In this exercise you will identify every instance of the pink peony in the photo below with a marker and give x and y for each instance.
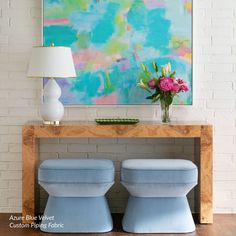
(175, 86)
(166, 84)
(151, 84)
(183, 86)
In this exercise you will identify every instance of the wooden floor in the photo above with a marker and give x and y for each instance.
(224, 225)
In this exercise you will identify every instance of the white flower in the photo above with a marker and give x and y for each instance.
(166, 69)
(142, 85)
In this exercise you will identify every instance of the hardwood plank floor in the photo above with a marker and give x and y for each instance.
(224, 225)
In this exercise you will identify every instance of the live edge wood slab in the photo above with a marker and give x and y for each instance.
(32, 132)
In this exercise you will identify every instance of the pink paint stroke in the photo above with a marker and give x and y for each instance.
(93, 59)
(124, 65)
(63, 21)
(136, 55)
(151, 4)
(183, 50)
(102, 85)
(109, 99)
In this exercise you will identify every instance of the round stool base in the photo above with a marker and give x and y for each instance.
(76, 215)
(158, 215)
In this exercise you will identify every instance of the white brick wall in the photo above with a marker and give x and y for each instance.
(214, 102)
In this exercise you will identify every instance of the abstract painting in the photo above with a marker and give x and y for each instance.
(111, 38)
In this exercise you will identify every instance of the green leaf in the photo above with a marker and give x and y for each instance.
(155, 67)
(144, 67)
(143, 86)
(152, 96)
(147, 89)
(156, 98)
(144, 77)
(169, 99)
(172, 74)
(163, 72)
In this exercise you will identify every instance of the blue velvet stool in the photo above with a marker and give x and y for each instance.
(158, 202)
(76, 191)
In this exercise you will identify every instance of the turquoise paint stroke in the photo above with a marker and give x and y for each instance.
(105, 27)
(59, 35)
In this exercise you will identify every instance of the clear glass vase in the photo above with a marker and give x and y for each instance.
(165, 112)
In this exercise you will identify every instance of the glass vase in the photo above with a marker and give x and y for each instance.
(165, 112)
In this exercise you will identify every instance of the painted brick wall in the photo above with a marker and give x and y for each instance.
(214, 102)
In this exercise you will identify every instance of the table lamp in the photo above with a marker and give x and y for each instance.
(51, 62)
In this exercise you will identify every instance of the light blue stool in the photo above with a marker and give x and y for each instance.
(76, 189)
(158, 189)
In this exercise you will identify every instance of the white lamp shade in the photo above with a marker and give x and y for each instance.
(51, 62)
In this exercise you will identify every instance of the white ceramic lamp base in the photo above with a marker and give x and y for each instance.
(52, 110)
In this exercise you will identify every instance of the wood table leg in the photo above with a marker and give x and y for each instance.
(205, 177)
(30, 161)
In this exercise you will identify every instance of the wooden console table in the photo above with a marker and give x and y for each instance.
(33, 131)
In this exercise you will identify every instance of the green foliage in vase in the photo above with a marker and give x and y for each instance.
(161, 83)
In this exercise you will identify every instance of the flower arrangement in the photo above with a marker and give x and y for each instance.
(163, 86)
